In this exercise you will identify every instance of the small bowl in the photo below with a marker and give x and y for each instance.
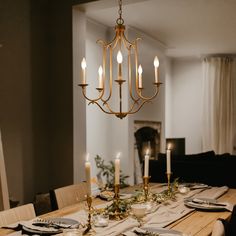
(139, 210)
(183, 189)
(101, 220)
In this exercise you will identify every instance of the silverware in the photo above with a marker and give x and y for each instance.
(200, 201)
(57, 225)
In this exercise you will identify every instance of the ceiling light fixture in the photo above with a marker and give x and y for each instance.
(120, 46)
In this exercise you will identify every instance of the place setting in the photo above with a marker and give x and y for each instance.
(49, 226)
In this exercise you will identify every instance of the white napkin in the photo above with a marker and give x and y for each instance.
(213, 193)
(167, 214)
(118, 229)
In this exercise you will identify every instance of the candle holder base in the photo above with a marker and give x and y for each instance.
(89, 225)
(146, 186)
(117, 213)
(168, 182)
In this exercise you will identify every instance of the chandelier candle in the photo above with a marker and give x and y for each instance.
(140, 82)
(88, 175)
(117, 169)
(119, 60)
(83, 66)
(100, 79)
(156, 66)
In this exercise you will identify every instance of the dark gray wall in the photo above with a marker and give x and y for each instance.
(16, 96)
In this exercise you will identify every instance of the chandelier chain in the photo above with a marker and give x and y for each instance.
(120, 20)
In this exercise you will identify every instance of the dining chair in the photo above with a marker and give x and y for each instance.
(4, 195)
(218, 228)
(68, 195)
(10, 216)
(230, 226)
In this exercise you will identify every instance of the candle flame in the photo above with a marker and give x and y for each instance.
(169, 146)
(87, 157)
(119, 57)
(100, 71)
(118, 155)
(140, 70)
(83, 64)
(147, 151)
(156, 62)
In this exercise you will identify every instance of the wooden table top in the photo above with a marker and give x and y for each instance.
(197, 223)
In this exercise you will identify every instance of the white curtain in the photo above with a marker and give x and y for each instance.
(218, 104)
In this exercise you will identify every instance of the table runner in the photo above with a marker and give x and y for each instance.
(165, 214)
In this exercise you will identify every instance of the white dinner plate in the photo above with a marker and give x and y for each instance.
(204, 206)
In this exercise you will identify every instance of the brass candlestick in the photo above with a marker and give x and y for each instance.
(89, 225)
(168, 181)
(117, 197)
(116, 200)
(146, 186)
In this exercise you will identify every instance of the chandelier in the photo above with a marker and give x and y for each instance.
(117, 79)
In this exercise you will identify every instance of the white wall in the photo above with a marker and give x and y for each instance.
(186, 102)
(97, 123)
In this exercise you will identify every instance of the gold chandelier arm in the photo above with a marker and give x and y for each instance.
(95, 102)
(130, 77)
(111, 78)
(149, 98)
(141, 105)
(108, 44)
(92, 100)
(127, 43)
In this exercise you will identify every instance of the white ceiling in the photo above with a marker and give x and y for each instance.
(186, 27)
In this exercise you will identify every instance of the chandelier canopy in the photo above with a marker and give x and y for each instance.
(120, 74)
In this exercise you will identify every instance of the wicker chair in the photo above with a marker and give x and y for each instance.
(14, 215)
(68, 195)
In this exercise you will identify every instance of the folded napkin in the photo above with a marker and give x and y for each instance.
(166, 215)
(159, 231)
(213, 193)
(118, 229)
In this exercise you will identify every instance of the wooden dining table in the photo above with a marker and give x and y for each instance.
(196, 223)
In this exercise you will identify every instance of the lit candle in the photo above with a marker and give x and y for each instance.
(100, 80)
(83, 66)
(140, 71)
(119, 60)
(146, 163)
(117, 168)
(168, 160)
(88, 175)
(156, 66)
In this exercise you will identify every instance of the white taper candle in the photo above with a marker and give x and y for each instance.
(168, 161)
(146, 164)
(117, 168)
(88, 175)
